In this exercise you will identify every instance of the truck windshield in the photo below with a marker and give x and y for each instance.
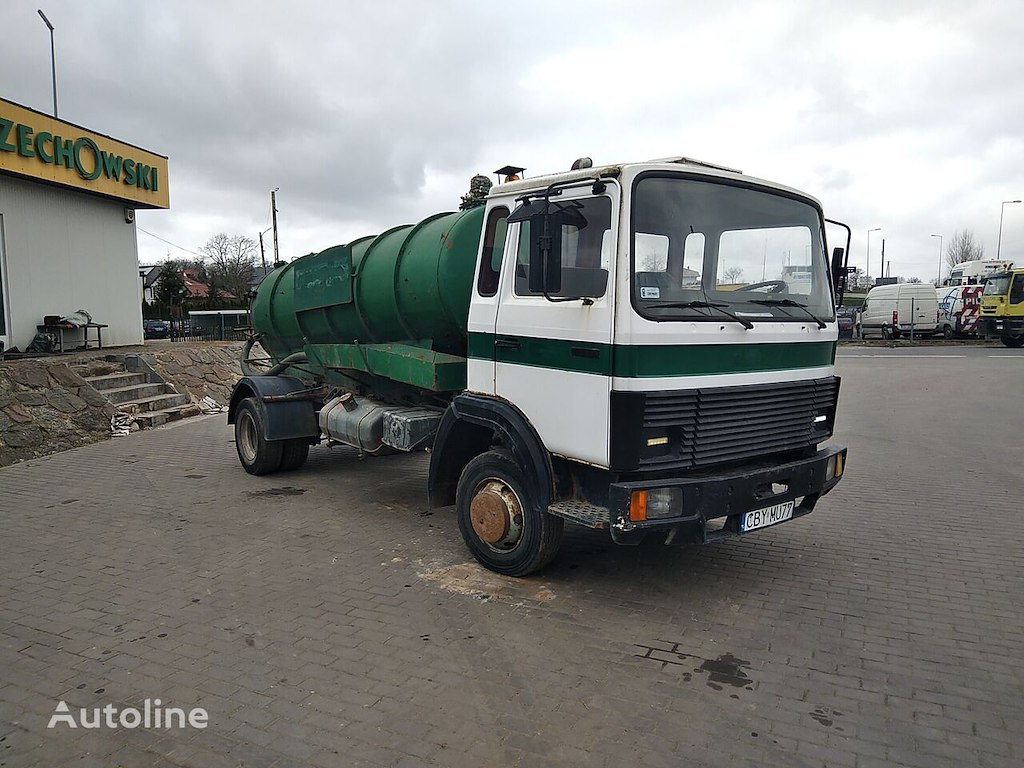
(997, 286)
(756, 253)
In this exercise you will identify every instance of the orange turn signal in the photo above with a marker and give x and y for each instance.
(638, 506)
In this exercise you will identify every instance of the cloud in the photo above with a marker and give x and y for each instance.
(901, 115)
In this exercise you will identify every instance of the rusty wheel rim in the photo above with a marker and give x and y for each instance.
(496, 514)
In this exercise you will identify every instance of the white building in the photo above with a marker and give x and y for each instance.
(67, 226)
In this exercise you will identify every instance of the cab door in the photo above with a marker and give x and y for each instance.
(483, 305)
(552, 355)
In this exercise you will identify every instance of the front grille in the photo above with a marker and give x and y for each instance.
(731, 424)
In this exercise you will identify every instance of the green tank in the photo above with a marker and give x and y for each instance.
(410, 284)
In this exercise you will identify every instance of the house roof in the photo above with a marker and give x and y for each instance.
(198, 289)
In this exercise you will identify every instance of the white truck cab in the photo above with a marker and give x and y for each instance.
(657, 322)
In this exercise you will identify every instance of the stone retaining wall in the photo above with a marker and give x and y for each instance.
(46, 407)
(202, 370)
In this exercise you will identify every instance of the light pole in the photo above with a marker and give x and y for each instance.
(939, 278)
(999, 242)
(53, 60)
(273, 213)
(263, 254)
(867, 271)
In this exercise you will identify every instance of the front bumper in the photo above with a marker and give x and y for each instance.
(728, 495)
(1002, 325)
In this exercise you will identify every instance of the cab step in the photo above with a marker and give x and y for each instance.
(583, 513)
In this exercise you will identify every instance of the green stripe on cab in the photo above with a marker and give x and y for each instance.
(651, 361)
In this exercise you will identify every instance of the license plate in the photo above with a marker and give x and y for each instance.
(762, 518)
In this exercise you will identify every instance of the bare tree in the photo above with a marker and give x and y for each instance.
(230, 262)
(732, 275)
(963, 247)
(857, 280)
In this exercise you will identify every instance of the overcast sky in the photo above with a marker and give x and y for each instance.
(905, 115)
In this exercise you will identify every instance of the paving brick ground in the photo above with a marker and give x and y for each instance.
(324, 618)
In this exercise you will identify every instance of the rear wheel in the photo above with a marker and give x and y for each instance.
(1013, 342)
(886, 332)
(505, 527)
(257, 455)
(294, 454)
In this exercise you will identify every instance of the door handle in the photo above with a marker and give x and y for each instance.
(591, 353)
(506, 342)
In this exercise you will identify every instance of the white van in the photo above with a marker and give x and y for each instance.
(959, 310)
(890, 309)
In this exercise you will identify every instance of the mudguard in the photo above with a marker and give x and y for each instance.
(282, 419)
(468, 428)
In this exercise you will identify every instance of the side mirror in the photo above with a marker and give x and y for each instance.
(838, 266)
(545, 253)
(838, 273)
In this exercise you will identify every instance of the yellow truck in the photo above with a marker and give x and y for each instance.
(1002, 307)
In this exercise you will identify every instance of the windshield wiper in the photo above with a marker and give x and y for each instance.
(701, 305)
(790, 303)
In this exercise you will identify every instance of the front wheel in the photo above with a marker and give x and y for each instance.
(505, 527)
(1013, 342)
(258, 455)
(947, 332)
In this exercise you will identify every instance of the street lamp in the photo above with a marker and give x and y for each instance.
(867, 272)
(999, 243)
(53, 60)
(939, 279)
(263, 255)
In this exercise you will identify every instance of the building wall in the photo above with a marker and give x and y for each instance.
(66, 251)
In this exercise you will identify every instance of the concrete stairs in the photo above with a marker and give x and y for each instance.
(140, 392)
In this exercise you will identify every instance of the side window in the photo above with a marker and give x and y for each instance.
(522, 281)
(586, 250)
(494, 248)
(1017, 289)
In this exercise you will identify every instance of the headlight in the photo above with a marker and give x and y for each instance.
(834, 468)
(655, 503)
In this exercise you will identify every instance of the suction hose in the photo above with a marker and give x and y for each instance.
(248, 370)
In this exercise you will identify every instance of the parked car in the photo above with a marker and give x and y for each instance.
(845, 317)
(156, 329)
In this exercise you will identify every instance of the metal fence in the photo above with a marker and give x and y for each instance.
(226, 325)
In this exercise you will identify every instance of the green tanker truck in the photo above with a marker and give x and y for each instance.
(617, 347)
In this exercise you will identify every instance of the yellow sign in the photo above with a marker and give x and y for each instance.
(41, 147)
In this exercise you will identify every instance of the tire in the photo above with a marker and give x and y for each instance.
(506, 529)
(257, 455)
(947, 332)
(294, 454)
(886, 333)
(1013, 342)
